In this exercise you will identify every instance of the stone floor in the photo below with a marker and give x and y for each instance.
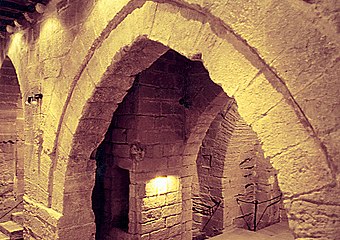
(278, 231)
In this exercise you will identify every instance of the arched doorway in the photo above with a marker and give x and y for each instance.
(191, 156)
(235, 185)
(148, 139)
(249, 76)
(145, 189)
(11, 142)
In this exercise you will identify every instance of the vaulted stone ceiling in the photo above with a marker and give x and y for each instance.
(18, 13)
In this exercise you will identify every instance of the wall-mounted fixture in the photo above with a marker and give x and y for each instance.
(34, 99)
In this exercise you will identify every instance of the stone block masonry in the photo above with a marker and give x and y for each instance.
(11, 140)
(84, 55)
(231, 166)
(140, 186)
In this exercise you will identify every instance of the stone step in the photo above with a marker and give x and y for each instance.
(12, 229)
(18, 217)
(4, 237)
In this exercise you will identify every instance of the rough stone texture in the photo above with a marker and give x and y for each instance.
(208, 188)
(230, 166)
(293, 43)
(12, 229)
(42, 227)
(11, 141)
(146, 139)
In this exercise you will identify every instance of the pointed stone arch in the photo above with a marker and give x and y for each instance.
(130, 44)
(11, 140)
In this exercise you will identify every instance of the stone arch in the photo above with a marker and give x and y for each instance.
(12, 140)
(259, 92)
(232, 169)
(172, 138)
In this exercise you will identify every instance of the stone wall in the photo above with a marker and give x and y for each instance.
(260, 180)
(145, 145)
(239, 171)
(11, 140)
(267, 191)
(231, 166)
(210, 182)
(283, 80)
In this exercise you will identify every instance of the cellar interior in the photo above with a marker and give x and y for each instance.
(160, 110)
(169, 120)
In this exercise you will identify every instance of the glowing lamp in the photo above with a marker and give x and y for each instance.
(162, 185)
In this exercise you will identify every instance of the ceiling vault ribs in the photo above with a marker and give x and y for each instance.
(12, 13)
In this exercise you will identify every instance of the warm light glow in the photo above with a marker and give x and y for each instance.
(162, 185)
(50, 27)
(17, 44)
(103, 5)
(17, 38)
(54, 37)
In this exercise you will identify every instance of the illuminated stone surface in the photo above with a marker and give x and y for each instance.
(277, 231)
(277, 59)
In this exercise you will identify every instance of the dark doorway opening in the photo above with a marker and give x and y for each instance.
(110, 197)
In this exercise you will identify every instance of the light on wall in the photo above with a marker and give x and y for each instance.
(34, 99)
(162, 185)
(162, 189)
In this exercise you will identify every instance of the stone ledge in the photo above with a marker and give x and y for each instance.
(12, 229)
(3, 236)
